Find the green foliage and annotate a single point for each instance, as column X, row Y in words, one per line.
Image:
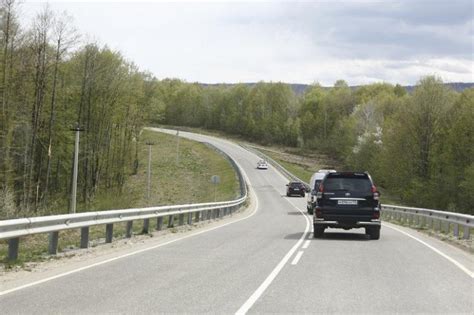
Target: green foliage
column 45, row 90
column 418, row 146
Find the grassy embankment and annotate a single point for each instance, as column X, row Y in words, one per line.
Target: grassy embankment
column 187, row 181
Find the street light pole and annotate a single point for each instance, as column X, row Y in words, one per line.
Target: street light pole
column 149, row 144
column 72, row 209
column 177, row 146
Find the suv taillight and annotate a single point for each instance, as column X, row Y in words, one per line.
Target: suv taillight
column 376, row 215
column 375, row 193
column 319, row 195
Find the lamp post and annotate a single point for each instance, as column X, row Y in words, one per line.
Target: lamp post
column 177, row 146
column 72, row 208
column 149, row 144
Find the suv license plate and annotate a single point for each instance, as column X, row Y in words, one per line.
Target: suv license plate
column 347, row 202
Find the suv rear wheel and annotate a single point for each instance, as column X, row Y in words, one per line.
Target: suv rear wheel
column 318, row 231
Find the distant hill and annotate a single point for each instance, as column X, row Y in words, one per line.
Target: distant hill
column 300, row 88
column 457, row 86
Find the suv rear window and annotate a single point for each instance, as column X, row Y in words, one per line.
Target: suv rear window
column 296, row 185
column 355, row 182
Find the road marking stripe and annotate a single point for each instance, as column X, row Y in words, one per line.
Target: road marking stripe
column 266, row 283
column 297, row 257
column 455, row 262
column 306, row 244
column 135, row 252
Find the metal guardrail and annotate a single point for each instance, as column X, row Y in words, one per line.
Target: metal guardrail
column 432, row 219
column 414, row 217
column 12, row 230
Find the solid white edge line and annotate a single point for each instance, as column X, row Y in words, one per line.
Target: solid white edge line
column 297, row 257
column 138, row 251
column 306, row 244
column 455, row 262
column 266, row 283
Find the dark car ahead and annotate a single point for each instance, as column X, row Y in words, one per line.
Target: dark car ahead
column 347, row 200
column 295, row 188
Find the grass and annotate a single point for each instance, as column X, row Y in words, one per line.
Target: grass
column 172, row 182
column 303, row 172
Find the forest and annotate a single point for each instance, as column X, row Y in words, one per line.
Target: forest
column 418, row 146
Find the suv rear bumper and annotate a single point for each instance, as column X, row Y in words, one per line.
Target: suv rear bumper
column 321, row 221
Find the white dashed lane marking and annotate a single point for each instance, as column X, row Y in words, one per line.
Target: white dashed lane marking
column 306, row 244
column 297, row 257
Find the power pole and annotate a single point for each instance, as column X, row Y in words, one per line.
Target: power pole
column 215, row 179
column 149, row 144
column 72, row 208
column 177, row 146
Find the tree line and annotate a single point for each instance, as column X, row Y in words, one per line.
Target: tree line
column 418, row 146
column 50, row 81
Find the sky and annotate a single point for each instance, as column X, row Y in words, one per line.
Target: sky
column 361, row 42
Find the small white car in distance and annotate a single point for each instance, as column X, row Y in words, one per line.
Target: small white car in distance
column 262, row 165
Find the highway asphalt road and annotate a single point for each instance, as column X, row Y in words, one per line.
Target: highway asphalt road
column 266, row 263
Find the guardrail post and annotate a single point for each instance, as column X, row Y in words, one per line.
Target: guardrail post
column 197, row 216
column 446, row 227
column 170, row 221
column 209, row 214
column 85, row 237
column 466, row 233
column 13, row 246
column 422, row 222
column 146, row 226
column 456, row 230
column 109, row 232
column 53, row 243
column 181, row 219
column 129, row 229
column 190, row 218
column 159, row 223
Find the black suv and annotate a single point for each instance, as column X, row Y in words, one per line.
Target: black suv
column 295, row 188
column 347, row 200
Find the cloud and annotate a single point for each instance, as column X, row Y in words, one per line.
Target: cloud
column 359, row 41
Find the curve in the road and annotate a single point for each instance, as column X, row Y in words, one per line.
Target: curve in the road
column 220, row 270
